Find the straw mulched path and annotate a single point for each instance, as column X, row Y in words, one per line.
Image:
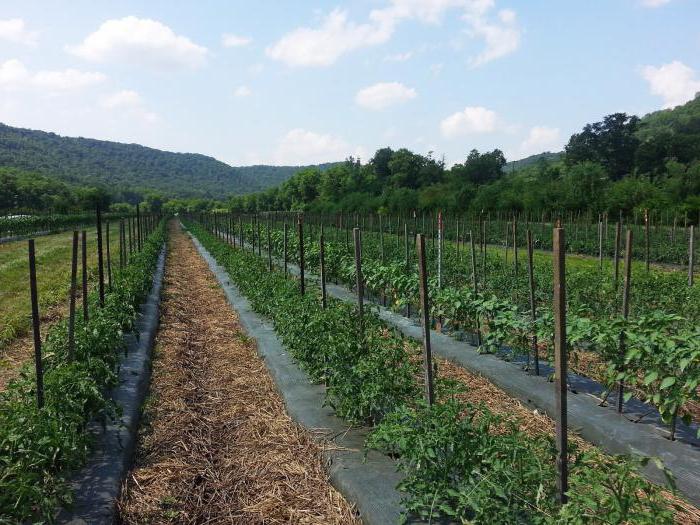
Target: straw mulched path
column 216, row 445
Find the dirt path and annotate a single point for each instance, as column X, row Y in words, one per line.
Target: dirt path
column 216, row 445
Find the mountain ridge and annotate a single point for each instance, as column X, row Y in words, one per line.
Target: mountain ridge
column 128, row 167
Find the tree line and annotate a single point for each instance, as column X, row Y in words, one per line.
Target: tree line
column 621, row 164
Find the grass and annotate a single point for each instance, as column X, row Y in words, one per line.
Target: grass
column 53, row 261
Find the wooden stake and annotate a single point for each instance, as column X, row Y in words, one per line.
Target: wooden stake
column 322, row 260
column 100, row 264
column 109, row 259
column 533, row 304
column 475, row 286
column 691, row 255
column 425, row 321
column 71, row 303
column 300, row 231
column 85, row 272
column 625, row 311
column 560, row 362
column 36, row 327
column 618, row 238
column 284, row 247
column 358, row 273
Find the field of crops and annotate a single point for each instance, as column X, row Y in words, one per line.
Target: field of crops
column 456, row 466
column 466, row 450
column 487, row 291
column 45, row 408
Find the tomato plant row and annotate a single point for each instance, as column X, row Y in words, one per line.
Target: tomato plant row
column 660, row 360
column 461, row 461
column 40, row 446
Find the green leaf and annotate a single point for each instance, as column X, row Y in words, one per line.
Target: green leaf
column 667, row 382
column 651, row 377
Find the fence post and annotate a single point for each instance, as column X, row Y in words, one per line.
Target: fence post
column 322, row 260
column 625, row 311
column 560, row 362
column 425, row 320
column 83, row 235
column 36, row 327
column 300, row 228
column 71, row 307
column 284, row 247
column 533, row 304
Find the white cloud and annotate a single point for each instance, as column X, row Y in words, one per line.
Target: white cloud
column 436, row 69
column 129, row 102
column 540, row 139
column 126, row 98
column 323, row 46
column 501, row 37
column 399, row 57
column 66, row 80
column 15, row 76
column 654, row 3
column 676, row 83
column 300, row 146
column 471, row 120
column 383, row 95
column 242, row 91
column 141, row 41
column 229, row 40
column 14, row 30
column 337, row 35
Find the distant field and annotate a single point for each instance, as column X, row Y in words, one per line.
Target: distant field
column 53, row 254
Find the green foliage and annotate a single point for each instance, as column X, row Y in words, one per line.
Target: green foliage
column 460, row 461
column 621, row 164
column 40, row 447
column 466, row 464
column 130, row 170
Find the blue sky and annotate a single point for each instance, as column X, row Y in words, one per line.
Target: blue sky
column 311, row 81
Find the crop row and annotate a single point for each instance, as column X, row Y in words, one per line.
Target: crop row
column 461, row 461
column 659, row 358
column 40, row 446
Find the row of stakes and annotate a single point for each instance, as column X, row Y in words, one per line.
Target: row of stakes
column 132, row 234
column 559, row 303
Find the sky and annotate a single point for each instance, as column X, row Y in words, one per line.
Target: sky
column 282, row 82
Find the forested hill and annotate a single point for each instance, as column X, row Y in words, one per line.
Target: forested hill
column 124, row 168
column 532, row 160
